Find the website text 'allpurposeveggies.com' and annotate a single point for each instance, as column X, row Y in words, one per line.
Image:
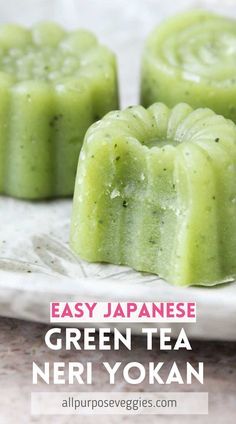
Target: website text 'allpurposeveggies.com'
column 127, row 403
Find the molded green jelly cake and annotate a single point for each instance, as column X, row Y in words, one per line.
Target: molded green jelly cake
column 156, row 190
column 192, row 58
column 53, row 85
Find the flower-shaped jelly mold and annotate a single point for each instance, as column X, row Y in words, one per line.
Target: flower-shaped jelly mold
column 53, row 85
column 156, row 190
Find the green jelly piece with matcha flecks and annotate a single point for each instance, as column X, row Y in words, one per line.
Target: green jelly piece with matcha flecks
column 156, row 190
column 53, row 85
column 191, row 58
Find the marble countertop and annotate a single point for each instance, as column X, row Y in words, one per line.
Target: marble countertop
column 22, row 342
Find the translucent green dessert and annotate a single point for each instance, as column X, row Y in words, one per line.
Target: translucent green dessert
column 192, row 58
column 53, row 85
column 156, row 190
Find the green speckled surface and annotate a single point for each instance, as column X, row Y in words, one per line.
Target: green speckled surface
column 53, row 85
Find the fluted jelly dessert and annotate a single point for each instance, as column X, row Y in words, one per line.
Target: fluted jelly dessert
column 53, row 85
column 156, row 190
column 192, row 58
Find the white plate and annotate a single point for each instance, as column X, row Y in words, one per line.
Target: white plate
column 36, row 265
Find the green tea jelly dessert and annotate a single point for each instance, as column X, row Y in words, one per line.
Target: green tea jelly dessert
column 53, row 85
column 192, row 58
column 156, row 190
